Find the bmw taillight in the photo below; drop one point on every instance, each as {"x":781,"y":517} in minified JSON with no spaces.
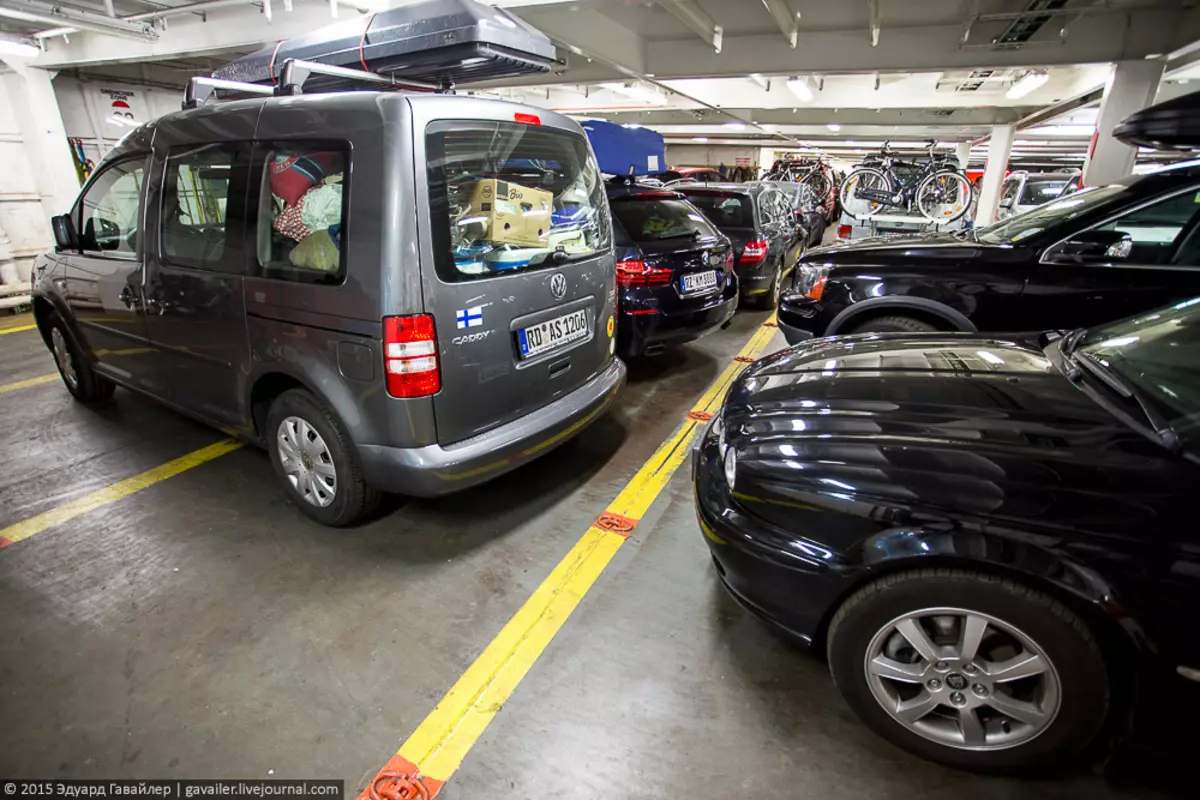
{"x":634,"y":272}
{"x":755,"y":252}
{"x":410,"y":356}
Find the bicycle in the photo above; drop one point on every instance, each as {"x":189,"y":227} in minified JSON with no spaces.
{"x":808,"y":172}
{"x":939,"y":190}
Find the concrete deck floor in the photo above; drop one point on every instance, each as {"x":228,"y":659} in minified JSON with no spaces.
{"x":204,"y":628}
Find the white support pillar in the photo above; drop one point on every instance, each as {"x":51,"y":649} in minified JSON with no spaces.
{"x":962,"y":152}
{"x":999,"y":149}
{"x":1131,"y":87}
{"x":43,"y":136}
{"x":766,"y":159}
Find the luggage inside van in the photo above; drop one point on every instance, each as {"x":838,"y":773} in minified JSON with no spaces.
{"x":438,"y":42}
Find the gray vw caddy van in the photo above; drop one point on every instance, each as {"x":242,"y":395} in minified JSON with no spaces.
{"x":390,"y":291}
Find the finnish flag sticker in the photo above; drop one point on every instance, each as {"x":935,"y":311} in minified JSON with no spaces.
{"x":470,"y":317}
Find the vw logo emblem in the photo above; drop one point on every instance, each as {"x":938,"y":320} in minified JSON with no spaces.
{"x":558,"y":286}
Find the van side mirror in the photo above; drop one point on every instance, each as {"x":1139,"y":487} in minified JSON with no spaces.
{"x":64,"y":232}
{"x":1092,"y":247}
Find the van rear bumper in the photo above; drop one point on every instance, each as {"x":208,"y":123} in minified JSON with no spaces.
{"x":437,"y":470}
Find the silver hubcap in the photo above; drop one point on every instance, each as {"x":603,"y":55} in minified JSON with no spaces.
{"x":63,"y":356}
{"x":963,"y":679}
{"x":307,"y":461}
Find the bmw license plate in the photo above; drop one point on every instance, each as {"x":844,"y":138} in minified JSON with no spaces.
{"x":698,"y":281}
{"x":552,"y":333}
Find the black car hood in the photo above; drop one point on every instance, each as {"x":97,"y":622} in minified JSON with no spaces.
{"x":944,"y":427}
{"x":914,"y":243}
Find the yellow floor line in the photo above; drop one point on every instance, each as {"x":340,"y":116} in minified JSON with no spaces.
{"x":113,"y":493}
{"x":17,"y":329}
{"x":25,"y":384}
{"x":439,"y":744}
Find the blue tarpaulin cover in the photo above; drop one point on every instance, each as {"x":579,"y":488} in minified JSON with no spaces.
{"x":618,"y":148}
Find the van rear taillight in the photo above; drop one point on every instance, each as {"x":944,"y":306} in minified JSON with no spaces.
{"x":844,"y":231}
{"x":755,"y":251}
{"x":410,"y":359}
{"x":634,"y":272}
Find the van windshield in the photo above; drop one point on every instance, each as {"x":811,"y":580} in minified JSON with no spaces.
{"x":507,"y":197}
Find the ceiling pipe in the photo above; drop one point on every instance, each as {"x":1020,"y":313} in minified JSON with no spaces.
{"x":787,"y":21}
{"x":876,"y":21}
{"x":78,"y":18}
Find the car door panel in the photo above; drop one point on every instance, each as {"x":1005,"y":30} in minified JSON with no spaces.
{"x":1160,"y":268}
{"x":102,"y":281}
{"x":196,"y":313}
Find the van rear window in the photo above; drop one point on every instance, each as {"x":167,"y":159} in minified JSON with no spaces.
{"x":507,"y":197}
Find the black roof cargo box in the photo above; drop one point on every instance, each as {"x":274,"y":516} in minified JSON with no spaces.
{"x":442,"y":42}
{"x":1170,"y":125}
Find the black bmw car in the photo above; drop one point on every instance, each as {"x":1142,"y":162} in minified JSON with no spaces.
{"x":993,"y":539}
{"x":758,"y":219}
{"x":675,"y":279}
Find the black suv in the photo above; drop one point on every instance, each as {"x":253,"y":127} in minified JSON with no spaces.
{"x":675,"y":279}
{"x":758,"y":220}
{"x":1090,"y":257}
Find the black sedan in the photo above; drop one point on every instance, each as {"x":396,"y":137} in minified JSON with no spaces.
{"x":675,"y":279}
{"x":758,"y":219}
{"x":993,"y":538}
{"x":1088,"y":258}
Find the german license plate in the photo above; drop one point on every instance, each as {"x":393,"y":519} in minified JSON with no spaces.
{"x":552,"y":333}
{"x":698,"y":281}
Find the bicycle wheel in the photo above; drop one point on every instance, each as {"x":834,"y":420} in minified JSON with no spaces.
{"x":944,"y":197}
{"x":819,"y":183}
{"x":857,"y":180}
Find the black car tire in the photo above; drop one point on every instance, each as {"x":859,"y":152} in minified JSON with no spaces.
{"x":352,"y":498}
{"x":87,"y":386}
{"x":1064,"y":639}
{"x":894,"y":324}
{"x":770,"y":298}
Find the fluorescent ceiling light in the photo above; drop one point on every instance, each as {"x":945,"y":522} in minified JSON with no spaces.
{"x":800,"y":88}
{"x":735,"y":126}
{"x":635,"y":91}
{"x":700,"y":139}
{"x":11,"y":45}
{"x":1028,"y":82}
{"x":833,"y":126}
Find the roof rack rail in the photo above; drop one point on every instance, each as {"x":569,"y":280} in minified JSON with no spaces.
{"x":201,"y":89}
{"x":291,"y":82}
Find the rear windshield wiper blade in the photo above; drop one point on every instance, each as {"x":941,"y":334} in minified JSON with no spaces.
{"x":1162,"y":429}
{"x":688,"y":234}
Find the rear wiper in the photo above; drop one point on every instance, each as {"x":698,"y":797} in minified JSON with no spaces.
{"x":688,"y":234}
{"x":1162,"y":429}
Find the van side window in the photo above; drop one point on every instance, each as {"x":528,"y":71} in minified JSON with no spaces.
{"x":303,"y":193}
{"x":109,"y":211}
{"x":202,"y":218}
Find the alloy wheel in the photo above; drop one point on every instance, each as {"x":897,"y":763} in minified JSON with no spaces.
{"x":307,"y":461}
{"x":962,"y":678}
{"x":62,"y":355}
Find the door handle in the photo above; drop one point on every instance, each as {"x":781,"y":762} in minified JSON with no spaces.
{"x":158,"y":305}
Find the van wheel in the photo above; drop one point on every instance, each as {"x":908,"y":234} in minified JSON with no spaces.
{"x":894,"y":324}
{"x":315,"y":460}
{"x":81,"y":380}
{"x":970,"y":670}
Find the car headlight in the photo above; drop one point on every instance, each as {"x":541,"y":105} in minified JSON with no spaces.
{"x":718,"y":430}
{"x":810,"y":279}
{"x":730,"y":466}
